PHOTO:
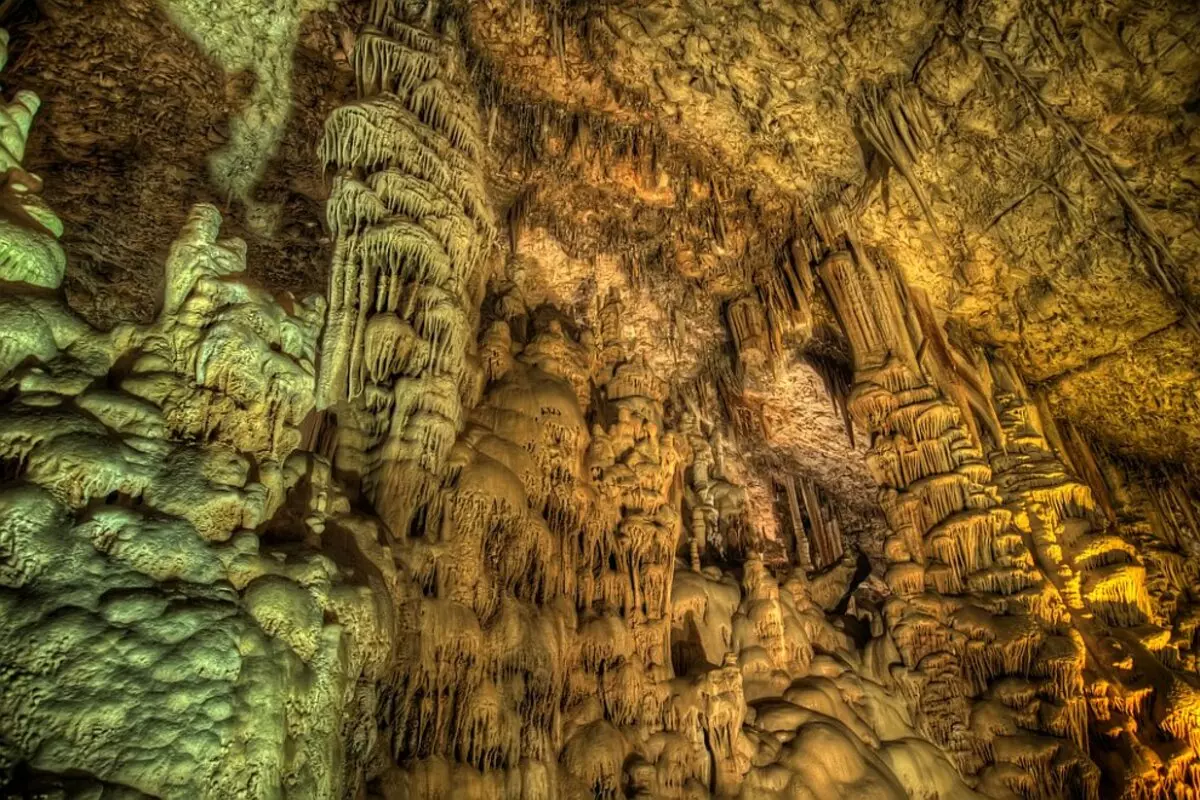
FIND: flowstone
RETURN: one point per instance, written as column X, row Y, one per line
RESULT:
column 166, row 632
column 152, row 637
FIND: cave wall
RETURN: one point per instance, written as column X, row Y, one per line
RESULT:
column 591, row 474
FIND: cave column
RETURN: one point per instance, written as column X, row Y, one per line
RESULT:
column 971, row 601
column 934, row 491
column 411, row 223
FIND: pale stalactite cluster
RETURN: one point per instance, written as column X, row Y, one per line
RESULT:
column 411, row 223
column 610, row 666
column 573, row 627
column 712, row 499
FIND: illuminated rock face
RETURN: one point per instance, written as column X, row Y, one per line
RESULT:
column 1022, row 611
column 159, row 635
column 497, row 519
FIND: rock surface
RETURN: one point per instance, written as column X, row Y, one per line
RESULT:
column 706, row 399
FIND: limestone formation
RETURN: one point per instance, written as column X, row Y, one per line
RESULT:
column 411, row 222
column 771, row 452
column 160, row 634
column 29, row 250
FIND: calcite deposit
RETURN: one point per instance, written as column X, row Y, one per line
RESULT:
column 705, row 399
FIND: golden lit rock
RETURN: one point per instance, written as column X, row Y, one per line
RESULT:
column 545, row 400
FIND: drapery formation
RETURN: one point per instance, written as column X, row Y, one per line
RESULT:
column 411, row 223
column 1012, row 590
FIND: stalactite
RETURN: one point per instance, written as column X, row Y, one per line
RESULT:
column 828, row 543
column 968, row 391
column 1082, row 454
column 897, row 124
column 837, row 385
column 29, row 230
column 409, row 236
column 803, row 549
column 749, row 328
column 839, row 276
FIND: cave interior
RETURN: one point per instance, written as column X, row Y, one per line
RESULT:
column 572, row 399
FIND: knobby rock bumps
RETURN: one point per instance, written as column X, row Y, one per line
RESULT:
column 175, row 617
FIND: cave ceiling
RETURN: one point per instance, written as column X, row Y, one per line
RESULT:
column 1045, row 193
column 1045, row 197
